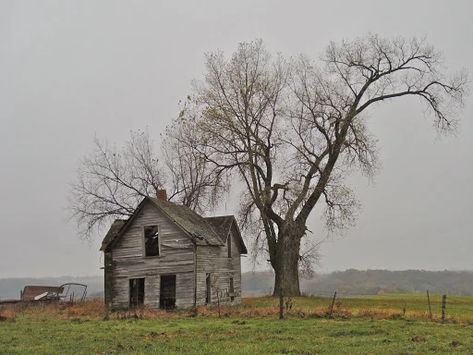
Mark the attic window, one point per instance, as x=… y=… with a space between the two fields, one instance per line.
x=151 y=241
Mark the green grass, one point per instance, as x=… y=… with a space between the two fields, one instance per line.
x=60 y=331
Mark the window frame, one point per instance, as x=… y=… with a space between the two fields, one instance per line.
x=231 y=288
x=159 y=241
x=229 y=246
x=208 y=288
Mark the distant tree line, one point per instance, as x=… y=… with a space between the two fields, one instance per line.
x=349 y=282
x=370 y=282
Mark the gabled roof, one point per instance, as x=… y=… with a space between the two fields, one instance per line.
x=194 y=225
x=191 y=222
x=222 y=225
x=112 y=232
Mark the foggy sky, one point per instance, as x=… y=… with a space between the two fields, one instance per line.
x=74 y=70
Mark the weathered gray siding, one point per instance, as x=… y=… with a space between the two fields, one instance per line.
x=215 y=260
x=128 y=261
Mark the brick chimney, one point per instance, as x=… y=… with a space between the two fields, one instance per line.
x=161 y=195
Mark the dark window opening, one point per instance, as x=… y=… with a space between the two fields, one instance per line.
x=207 y=289
x=167 y=293
x=151 y=241
x=229 y=246
x=232 y=290
x=137 y=292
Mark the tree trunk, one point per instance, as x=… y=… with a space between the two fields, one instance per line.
x=286 y=265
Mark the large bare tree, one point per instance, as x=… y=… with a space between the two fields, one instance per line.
x=292 y=130
x=112 y=181
x=195 y=182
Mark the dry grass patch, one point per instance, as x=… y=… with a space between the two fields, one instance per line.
x=266 y=307
x=8 y=313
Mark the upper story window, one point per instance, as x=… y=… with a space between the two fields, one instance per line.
x=151 y=241
x=229 y=245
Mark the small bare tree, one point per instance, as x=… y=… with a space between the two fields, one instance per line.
x=112 y=181
x=292 y=130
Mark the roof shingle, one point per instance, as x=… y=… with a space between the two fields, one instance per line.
x=203 y=231
x=221 y=225
x=191 y=222
x=112 y=232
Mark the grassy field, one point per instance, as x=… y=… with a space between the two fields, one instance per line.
x=387 y=323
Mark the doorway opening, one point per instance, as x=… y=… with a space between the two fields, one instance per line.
x=137 y=292
x=167 y=294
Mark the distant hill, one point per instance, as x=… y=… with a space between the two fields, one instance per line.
x=349 y=282
x=355 y=282
x=369 y=282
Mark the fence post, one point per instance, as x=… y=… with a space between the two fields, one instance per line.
x=218 y=303
x=333 y=303
x=444 y=303
x=430 y=307
x=281 y=304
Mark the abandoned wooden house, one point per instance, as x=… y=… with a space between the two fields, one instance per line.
x=166 y=256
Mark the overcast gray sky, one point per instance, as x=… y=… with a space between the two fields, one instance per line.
x=73 y=70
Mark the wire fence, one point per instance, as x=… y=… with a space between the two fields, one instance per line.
x=440 y=307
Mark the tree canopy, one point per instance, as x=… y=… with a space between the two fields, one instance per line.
x=293 y=129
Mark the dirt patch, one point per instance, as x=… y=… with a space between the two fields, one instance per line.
x=418 y=339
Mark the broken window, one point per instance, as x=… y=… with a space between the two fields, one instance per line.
x=207 y=289
x=229 y=246
x=232 y=290
x=167 y=293
x=151 y=241
x=137 y=292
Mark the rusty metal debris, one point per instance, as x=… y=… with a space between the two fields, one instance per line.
x=70 y=292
